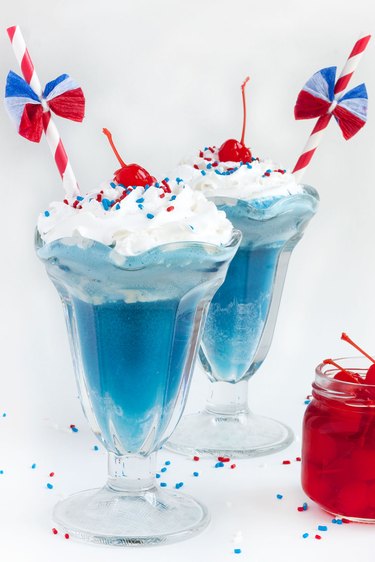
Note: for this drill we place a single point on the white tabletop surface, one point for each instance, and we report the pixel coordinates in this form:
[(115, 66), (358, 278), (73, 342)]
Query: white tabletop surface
[(245, 512)]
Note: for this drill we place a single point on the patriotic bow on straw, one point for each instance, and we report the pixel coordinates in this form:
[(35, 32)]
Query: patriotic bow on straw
[(317, 98), (31, 112)]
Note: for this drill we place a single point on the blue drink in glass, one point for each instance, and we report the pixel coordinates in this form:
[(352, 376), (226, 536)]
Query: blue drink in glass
[(134, 324), (240, 325)]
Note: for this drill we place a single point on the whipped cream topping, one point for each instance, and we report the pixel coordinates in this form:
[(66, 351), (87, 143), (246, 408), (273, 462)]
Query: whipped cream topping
[(135, 219), (256, 180)]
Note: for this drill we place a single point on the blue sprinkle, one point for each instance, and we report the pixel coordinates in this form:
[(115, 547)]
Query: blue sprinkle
[(163, 484), (191, 226), (305, 535), (1, 472), (203, 172), (33, 465), (140, 200), (339, 521), (106, 203), (167, 463), (179, 485), (305, 506), (209, 166), (157, 184), (46, 213), (164, 469), (150, 216), (4, 415), (112, 184), (205, 148), (166, 180), (147, 187), (79, 198), (179, 180), (172, 198), (121, 185), (334, 520), (49, 486), (249, 166), (307, 402), (237, 551), (219, 465), (96, 448), (195, 473), (157, 475), (74, 429), (268, 171), (279, 496), (118, 206), (140, 206), (322, 528)]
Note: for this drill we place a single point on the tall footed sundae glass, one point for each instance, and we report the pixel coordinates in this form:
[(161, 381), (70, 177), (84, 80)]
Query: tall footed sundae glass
[(136, 268), (271, 210)]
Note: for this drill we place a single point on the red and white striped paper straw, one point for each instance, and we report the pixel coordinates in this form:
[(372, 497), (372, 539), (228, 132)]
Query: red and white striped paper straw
[(322, 123), (52, 134)]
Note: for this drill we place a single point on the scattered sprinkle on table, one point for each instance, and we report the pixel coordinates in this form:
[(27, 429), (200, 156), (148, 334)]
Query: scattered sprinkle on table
[(163, 484), (237, 551), (167, 463), (318, 537), (66, 536), (279, 496), (96, 448), (195, 458), (219, 465), (195, 473), (54, 531), (305, 535), (322, 528), (33, 465), (49, 486), (286, 462)]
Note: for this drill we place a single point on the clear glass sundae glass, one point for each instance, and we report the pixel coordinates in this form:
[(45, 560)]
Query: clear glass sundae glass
[(240, 326), (134, 325)]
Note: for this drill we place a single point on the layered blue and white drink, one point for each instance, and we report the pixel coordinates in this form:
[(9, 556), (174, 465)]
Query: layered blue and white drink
[(136, 268), (265, 203)]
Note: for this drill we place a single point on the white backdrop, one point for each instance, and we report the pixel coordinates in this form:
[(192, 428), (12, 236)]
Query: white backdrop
[(164, 76)]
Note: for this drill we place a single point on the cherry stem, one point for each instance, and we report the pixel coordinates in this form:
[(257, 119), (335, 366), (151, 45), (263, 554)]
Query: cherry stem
[(109, 137), (331, 362), (349, 340), (243, 88)]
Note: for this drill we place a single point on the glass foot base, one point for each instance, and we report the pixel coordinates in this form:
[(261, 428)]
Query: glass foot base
[(109, 517), (236, 436)]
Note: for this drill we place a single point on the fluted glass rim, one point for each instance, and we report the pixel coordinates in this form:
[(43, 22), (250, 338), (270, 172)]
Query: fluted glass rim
[(280, 205)]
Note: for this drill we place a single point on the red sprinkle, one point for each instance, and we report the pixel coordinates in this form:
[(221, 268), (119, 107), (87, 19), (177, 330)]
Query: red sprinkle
[(196, 166), (51, 474), (169, 209), (99, 197), (54, 531), (201, 154), (195, 458), (233, 465), (72, 425), (211, 149), (298, 459), (345, 520), (300, 509), (66, 202), (162, 195), (286, 462), (66, 535), (75, 204), (223, 459), (215, 164), (318, 537)]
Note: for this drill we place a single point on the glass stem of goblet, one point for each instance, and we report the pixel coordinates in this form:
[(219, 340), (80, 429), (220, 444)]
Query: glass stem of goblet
[(131, 473), (228, 399)]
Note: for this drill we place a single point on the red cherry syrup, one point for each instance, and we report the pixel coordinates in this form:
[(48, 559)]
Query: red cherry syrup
[(338, 461)]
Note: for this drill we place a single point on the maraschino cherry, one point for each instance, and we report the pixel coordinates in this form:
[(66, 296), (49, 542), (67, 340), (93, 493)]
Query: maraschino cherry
[(232, 150), (129, 174), (370, 375), (343, 375)]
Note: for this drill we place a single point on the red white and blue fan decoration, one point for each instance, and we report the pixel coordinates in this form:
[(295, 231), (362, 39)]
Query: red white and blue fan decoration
[(31, 114), (317, 98)]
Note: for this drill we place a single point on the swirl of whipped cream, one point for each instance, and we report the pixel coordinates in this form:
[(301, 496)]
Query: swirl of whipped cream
[(135, 219), (260, 179)]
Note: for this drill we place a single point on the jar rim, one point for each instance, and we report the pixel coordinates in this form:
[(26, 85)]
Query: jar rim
[(324, 372)]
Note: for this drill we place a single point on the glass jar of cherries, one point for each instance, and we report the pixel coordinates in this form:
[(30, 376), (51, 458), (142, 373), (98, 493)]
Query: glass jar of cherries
[(338, 454)]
